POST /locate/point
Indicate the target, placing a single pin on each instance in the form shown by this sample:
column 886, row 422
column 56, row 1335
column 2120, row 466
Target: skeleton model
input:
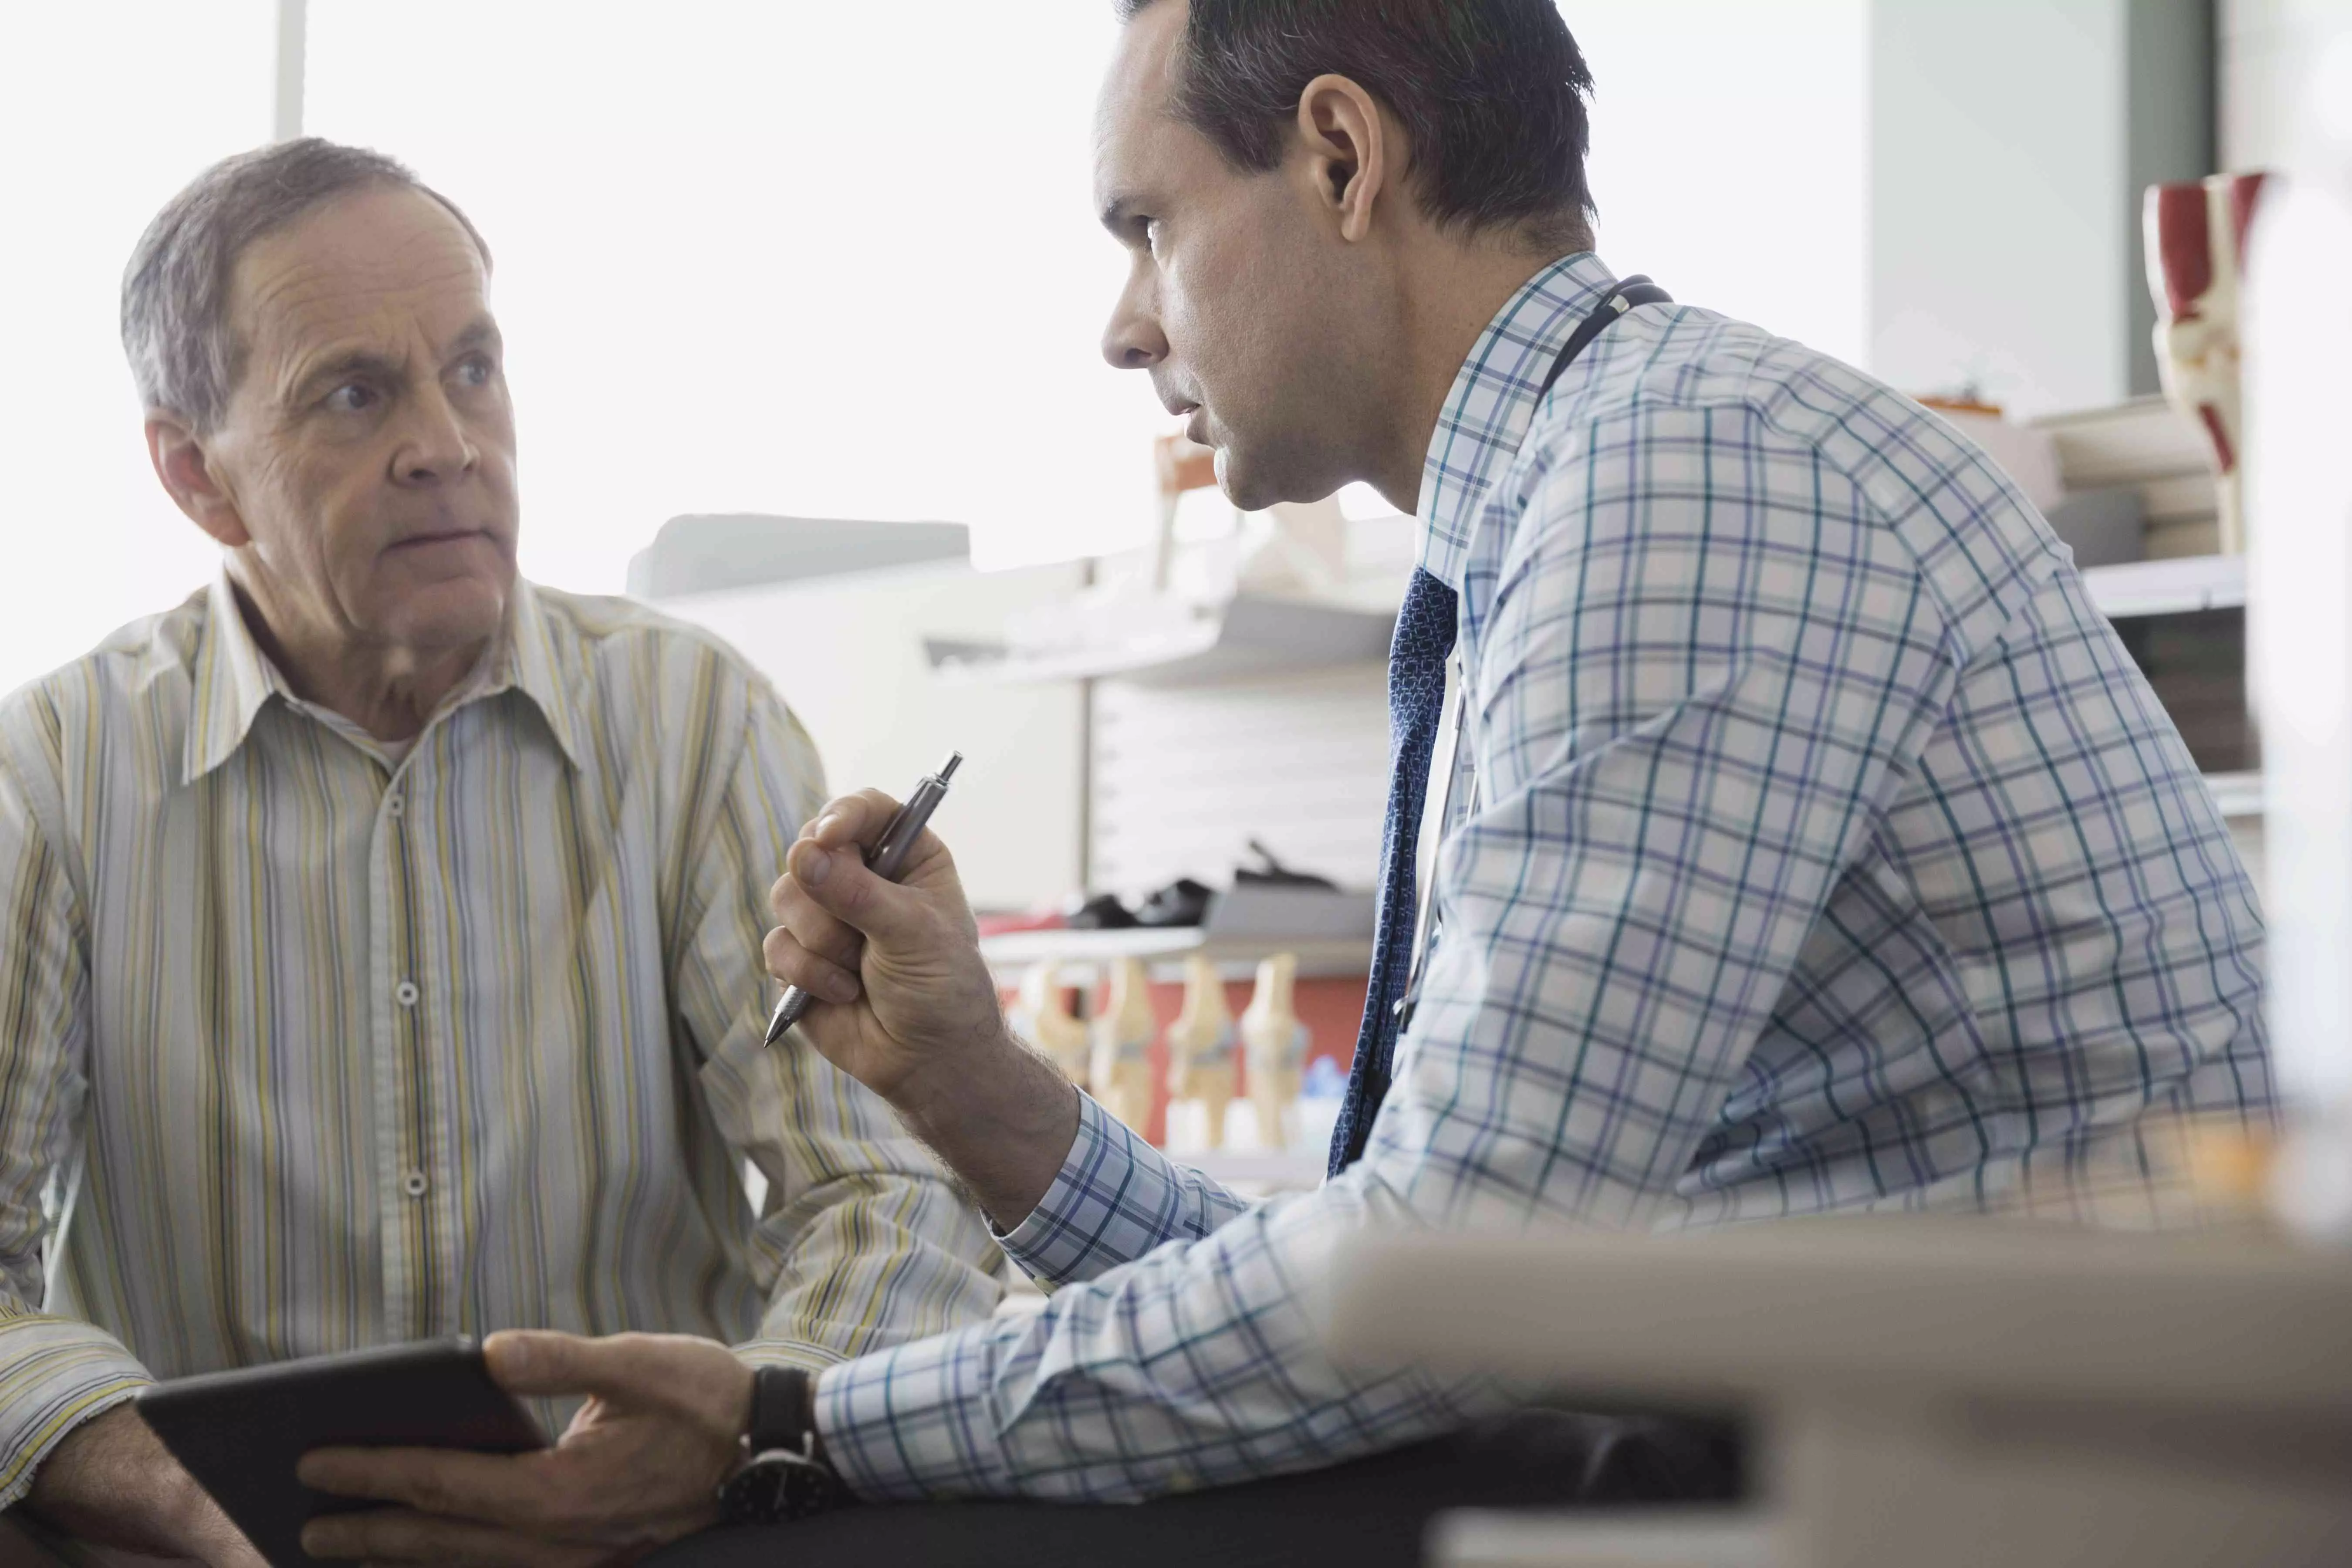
column 1121, row 1077
column 1274, row 1043
column 1043, row 1018
column 1201, row 1065
column 2196, row 251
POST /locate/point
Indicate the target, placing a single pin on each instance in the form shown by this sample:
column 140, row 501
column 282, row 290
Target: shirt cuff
column 1114, row 1198
column 55, row 1374
column 787, row 1353
column 910, row 1423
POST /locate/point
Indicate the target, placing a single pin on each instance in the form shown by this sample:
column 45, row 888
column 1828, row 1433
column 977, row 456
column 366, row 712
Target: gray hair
column 183, row 353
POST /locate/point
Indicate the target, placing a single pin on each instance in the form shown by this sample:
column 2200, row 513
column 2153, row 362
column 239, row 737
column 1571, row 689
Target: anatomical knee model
column 2196, row 244
column 1274, row 1044
column 1121, row 1078
column 1201, row 1048
column 1043, row 1018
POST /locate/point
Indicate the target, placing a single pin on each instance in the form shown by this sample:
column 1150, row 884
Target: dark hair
column 175, row 292
column 1491, row 94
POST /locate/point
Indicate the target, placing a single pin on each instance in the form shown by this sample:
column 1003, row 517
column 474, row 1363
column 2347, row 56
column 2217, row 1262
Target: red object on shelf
column 1006, row 923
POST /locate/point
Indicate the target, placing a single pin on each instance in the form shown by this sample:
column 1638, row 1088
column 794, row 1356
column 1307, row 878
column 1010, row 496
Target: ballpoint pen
column 887, row 859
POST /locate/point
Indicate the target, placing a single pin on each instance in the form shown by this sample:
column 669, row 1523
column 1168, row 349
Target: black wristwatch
column 784, row 1475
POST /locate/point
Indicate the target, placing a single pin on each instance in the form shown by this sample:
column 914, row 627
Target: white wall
column 1729, row 158
column 2010, row 141
column 1942, row 192
column 848, row 654
column 105, row 110
column 2268, row 47
column 1998, row 135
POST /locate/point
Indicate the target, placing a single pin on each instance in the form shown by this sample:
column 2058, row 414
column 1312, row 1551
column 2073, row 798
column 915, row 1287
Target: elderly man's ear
column 185, row 467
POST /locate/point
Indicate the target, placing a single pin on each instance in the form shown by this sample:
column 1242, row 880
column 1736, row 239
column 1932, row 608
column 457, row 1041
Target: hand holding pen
column 886, row 858
column 912, row 1011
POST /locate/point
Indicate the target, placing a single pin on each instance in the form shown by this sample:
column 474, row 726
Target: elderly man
column 383, row 955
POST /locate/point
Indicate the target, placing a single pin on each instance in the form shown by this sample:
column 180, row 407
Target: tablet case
column 240, row 1433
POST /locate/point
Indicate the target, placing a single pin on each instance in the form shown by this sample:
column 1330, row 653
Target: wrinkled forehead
column 370, row 266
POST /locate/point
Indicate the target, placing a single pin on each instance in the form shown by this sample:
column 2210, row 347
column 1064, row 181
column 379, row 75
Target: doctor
column 1815, row 845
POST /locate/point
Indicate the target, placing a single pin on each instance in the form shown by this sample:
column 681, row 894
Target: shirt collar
column 1486, row 418
column 235, row 679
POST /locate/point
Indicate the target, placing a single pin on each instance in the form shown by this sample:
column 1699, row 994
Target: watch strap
column 783, row 1409
column 784, row 1475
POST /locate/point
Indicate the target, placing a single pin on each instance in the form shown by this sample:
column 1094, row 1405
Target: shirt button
column 406, row 994
column 415, row 1184
column 395, row 804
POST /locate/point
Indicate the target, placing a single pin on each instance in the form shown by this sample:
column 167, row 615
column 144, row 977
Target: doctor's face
column 1252, row 319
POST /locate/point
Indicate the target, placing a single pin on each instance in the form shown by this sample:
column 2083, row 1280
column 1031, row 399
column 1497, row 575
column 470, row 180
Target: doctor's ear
column 1350, row 148
column 185, row 466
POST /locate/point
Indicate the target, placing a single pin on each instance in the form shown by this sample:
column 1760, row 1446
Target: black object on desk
column 241, row 1433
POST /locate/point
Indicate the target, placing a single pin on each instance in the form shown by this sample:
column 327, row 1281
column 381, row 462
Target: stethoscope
column 1631, row 291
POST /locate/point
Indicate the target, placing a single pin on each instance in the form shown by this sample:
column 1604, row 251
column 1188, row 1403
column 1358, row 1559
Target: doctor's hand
column 913, row 999
column 907, row 1007
column 640, row 1465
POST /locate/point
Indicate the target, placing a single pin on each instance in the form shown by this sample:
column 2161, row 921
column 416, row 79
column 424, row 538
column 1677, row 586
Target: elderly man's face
column 367, row 454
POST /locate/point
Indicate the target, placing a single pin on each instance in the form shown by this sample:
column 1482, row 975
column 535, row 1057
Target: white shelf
column 1247, row 637
column 2167, row 587
column 1289, row 1170
column 1015, row 952
column 2239, row 794
column 2174, row 587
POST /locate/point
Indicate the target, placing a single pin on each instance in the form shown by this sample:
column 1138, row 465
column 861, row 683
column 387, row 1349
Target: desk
column 1932, row 1394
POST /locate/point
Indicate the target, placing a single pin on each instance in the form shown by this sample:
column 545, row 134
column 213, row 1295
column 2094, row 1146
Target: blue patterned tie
column 1424, row 640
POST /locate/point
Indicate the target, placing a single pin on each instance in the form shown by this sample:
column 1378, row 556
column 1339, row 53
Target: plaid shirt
column 1827, row 852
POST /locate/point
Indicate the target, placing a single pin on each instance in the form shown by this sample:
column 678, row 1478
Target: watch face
column 780, row 1486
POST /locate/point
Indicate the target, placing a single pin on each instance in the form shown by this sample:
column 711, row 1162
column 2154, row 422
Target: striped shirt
column 1826, row 852
column 306, row 1049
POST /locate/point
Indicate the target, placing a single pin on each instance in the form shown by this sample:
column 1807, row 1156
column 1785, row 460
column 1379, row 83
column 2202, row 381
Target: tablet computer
column 240, row 1433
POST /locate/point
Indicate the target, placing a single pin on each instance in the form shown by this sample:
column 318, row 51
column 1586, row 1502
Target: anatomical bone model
column 1274, row 1044
column 1043, row 1018
column 1201, row 1065
column 2196, row 234
column 1121, row 1078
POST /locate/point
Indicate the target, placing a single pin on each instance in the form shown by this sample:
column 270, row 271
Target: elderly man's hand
column 113, row 1483
column 640, row 1465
